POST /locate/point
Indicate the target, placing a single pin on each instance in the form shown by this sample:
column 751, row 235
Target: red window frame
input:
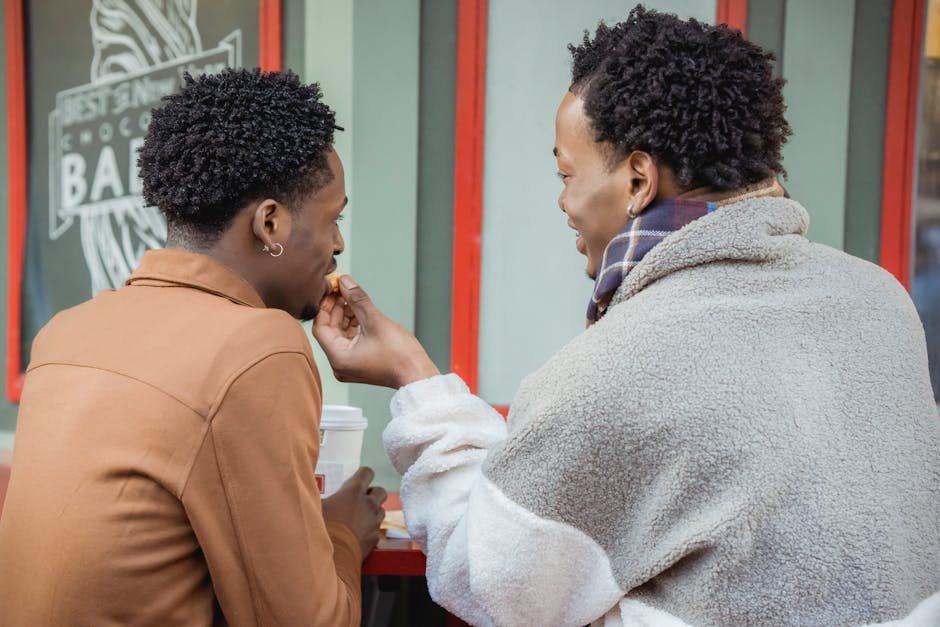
column 270, row 54
column 733, row 13
column 907, row 43
column 468, row 178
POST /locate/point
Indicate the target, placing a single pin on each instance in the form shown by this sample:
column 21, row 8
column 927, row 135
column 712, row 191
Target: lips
column 580, row 245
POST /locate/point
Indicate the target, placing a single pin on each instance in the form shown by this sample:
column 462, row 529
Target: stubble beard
column 308, row 313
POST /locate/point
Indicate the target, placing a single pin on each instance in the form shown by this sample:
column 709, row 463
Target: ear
column 642, row 175
column 271, row 223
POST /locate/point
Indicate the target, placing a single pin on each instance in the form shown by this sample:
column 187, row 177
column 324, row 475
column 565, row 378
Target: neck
column 767, row 187
column 229, row 250
column 183, row 241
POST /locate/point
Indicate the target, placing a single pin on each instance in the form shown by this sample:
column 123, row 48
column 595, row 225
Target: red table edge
column 400, row 558
column 395, row 557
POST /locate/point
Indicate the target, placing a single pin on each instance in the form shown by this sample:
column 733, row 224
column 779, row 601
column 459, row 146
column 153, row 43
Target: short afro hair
column 698, row 98
column 229, row 138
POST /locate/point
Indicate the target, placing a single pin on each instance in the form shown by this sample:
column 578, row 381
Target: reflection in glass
column 925, row 281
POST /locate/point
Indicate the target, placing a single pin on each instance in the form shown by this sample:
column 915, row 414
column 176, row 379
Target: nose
column 561, row 202
column 339, row 244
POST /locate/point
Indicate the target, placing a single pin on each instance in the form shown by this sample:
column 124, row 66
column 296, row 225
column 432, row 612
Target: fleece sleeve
column 491, row 561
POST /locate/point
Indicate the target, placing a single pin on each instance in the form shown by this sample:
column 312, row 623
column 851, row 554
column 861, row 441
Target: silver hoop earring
column 630, row 213
column 280, row 250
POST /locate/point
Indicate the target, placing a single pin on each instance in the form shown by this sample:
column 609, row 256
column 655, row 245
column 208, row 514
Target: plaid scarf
column 638, row 237
column 642, row 233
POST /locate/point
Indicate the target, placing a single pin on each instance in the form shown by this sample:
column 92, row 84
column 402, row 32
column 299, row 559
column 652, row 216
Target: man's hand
column 359, row 507
column 365, row 346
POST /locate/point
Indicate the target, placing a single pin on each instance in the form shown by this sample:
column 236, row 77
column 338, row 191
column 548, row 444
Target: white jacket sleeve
column 490, row 561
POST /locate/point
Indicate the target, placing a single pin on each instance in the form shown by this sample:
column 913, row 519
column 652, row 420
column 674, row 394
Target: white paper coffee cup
column 341, row 431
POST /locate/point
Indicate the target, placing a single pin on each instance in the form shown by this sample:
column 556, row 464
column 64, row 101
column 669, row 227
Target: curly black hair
column 698, row 98
column 229, row 138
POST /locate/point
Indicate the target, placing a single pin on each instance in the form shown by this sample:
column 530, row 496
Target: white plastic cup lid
column 343, row 418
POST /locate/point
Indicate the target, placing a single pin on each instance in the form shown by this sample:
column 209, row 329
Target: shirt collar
column 173, row 267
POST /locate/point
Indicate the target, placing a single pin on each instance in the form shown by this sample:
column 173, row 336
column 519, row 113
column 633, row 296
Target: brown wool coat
column 163, row 464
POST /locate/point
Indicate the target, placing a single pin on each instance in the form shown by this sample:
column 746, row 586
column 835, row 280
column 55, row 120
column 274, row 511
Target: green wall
column 817, row 63
column 365, row 54
column 385, row 156
column 327, row 58
column 866, row 128
column 834, row 56
column 389, row 72
column 766, row 25
column 436, row 125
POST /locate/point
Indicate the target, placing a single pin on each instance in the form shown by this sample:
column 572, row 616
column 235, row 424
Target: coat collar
column 756, row 230
column 173, row 267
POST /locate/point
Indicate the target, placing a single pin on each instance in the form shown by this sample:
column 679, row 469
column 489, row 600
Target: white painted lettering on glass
column 142, row 49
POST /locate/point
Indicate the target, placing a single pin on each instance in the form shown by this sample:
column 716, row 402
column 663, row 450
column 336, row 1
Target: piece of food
column 394, row 525
column 333, row 278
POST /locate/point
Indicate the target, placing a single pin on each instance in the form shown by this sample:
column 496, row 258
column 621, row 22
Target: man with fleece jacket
column 745, row 433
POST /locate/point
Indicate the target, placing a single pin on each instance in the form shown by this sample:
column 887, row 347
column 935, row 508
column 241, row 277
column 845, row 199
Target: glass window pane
column 529, row 262
column 925, row 282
